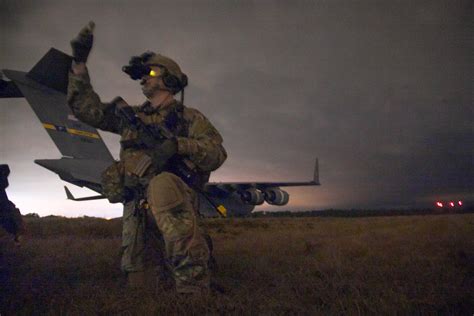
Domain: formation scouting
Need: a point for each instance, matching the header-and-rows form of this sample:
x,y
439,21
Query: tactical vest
x,y
172,117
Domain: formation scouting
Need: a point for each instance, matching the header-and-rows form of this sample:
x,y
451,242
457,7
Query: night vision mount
x,y
138,67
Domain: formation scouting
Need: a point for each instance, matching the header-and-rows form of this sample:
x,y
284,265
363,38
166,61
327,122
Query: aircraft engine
x,y
252,196
276,196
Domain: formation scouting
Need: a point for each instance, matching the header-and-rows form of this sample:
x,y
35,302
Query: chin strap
x,y
182,96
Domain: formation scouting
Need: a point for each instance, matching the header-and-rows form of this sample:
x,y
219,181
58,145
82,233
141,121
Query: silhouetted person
x,y
10,216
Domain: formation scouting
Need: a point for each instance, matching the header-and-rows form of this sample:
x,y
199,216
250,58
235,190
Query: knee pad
x,y
165,193
170,203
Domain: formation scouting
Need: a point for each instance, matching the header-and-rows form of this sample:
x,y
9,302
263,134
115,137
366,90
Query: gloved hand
x,y
82,43
132,188
161,154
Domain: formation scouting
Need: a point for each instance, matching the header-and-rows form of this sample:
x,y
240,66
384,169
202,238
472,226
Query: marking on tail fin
x,y
82,133
71,131
49,126
72,118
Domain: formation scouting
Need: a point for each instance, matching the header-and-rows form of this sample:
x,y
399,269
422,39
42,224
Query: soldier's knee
x,y
165,192
170,206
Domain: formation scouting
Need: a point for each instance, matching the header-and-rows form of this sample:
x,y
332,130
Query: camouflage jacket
x,y
197,138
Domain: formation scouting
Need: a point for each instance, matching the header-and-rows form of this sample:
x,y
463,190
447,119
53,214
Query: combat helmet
x,y
173,78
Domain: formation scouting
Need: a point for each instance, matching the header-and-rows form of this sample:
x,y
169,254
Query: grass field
x,y
350,266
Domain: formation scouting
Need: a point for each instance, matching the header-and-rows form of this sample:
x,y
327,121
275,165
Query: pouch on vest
x,y
113,183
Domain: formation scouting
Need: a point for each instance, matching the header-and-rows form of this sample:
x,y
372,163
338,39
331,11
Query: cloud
x,y
380,92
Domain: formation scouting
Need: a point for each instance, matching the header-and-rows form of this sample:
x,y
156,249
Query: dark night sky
x,y
380,91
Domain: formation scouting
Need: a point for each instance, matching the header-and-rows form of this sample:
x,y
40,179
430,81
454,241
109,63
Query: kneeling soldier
x,y
149,179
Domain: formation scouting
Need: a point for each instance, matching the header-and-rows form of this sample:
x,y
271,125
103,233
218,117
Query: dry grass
x,y
378,265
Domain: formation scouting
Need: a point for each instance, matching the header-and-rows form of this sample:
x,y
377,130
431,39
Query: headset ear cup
x,y
171,82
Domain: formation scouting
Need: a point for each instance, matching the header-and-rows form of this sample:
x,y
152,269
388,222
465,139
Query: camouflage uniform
x,y
172,202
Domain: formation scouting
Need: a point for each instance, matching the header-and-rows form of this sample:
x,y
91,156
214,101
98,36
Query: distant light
x,y
451,204
439,204
460,203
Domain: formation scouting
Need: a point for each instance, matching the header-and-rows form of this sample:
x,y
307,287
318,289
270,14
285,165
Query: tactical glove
x,y
82,43
132,188
163,153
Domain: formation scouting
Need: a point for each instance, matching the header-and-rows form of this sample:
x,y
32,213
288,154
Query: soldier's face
x,y
152,83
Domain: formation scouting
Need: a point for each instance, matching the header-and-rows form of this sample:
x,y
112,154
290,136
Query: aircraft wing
x,y
240,186
240,198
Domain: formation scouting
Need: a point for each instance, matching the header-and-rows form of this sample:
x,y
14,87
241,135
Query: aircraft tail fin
x,y
44,87
69,194
52,70
316,172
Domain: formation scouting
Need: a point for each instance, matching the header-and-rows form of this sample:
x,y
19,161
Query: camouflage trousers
x,y
171,224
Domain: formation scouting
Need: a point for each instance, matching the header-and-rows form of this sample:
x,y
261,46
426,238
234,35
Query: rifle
x,y
154,137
